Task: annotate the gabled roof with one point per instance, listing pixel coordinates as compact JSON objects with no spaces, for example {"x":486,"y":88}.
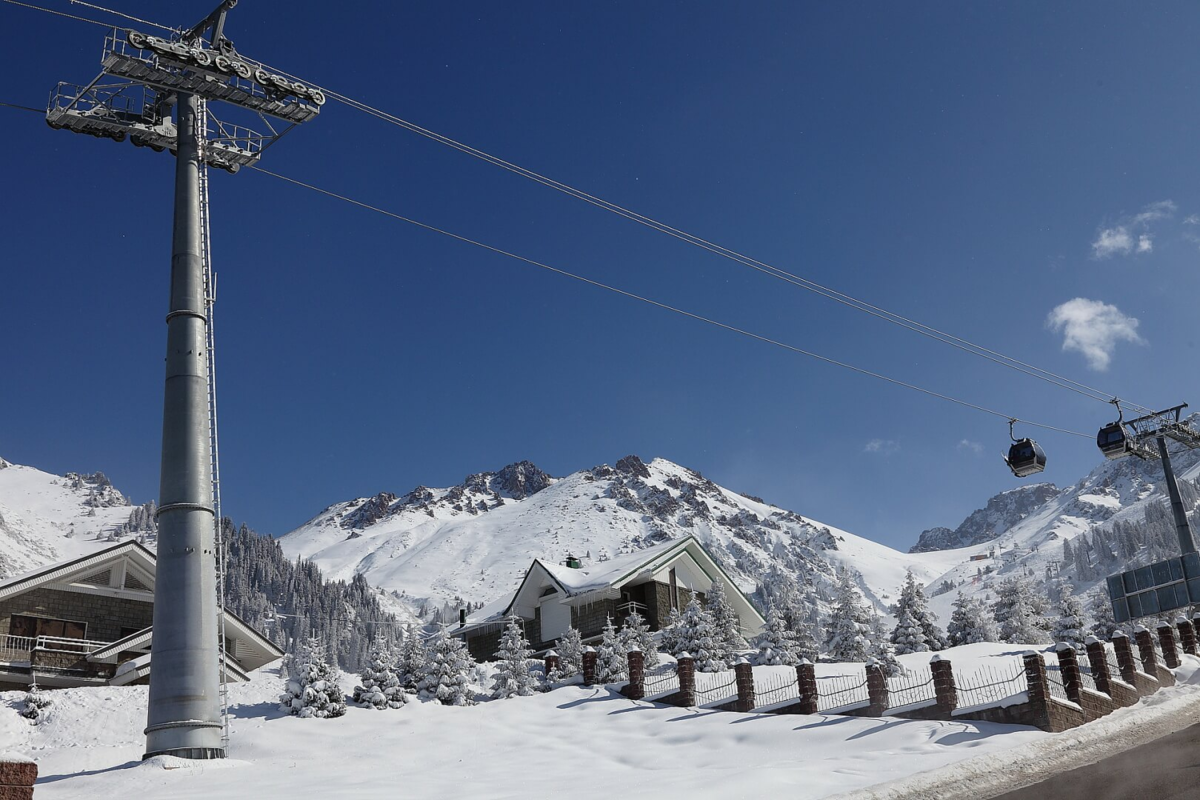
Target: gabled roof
{"x":65,"y":570}
{"x":613,"y":574}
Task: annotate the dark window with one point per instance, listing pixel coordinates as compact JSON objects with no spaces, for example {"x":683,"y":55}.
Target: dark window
{"x":44,"y":626}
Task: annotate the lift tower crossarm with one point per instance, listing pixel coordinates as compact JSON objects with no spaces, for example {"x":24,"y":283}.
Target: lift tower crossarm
{"x":215,"y":21}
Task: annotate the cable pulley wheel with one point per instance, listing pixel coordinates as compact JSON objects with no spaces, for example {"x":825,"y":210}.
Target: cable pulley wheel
{"x":262,"y":77}
{"x":223,"y":63}
{"x":317,"y":97}
{"x":202,"y":57}
{"x":136,"y":39}
{"x":242,"y":70}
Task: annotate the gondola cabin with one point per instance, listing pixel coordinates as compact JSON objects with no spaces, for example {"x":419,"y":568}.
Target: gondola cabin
{"x":1026,"y":458}
{"x":1113,"y":441}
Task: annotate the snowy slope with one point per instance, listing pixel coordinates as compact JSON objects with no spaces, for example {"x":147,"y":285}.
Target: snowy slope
{"x":46,"y":518}
{"x":474,"y":542}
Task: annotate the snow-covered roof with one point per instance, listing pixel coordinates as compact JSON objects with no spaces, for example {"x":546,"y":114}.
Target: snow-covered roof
{"x":611,"y":575}
{"x":56,"y":573}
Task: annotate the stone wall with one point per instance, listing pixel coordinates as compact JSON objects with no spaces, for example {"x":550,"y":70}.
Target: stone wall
{"x":105,"y":616}
{"x":589,"y":619}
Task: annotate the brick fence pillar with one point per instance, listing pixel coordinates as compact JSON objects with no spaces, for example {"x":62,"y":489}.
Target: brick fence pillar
{"x":1068,"y":665}
{"x":877,"y":689}
{"x":552,"y":662}
{"x":1187,"y":635}
{"x":745,"y":685}
{"x":943,"y":686}
{"x":1035,"y":676}
{"x":636,"y":689}
{"x":1145,"y":644}
{"x":1098,"y":659}
{"x":1166,"y":638}
{"x":589,"y":665}
{"x":685,"y":668}
{"x":806,"y":681}
{"x":1124,"y":651}
{"x":17,"y":779}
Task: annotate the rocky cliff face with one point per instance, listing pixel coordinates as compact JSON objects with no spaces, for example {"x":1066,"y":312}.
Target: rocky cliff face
{"x":1000,"y":514}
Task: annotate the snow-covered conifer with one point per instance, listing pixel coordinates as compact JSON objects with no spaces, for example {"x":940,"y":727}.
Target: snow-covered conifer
{"x":312,"y":689}
{"x":378,"y":685}
{"x":971,"y":622}
{"x":445,"y":673}
{"x":848,"y":627}
{"x":1104,"y":624}
{"x":1020,"y":609}
{"x":611,"y":662}
{"x":409,"y":658}
{"x":881,"y":648}
{"x":570,"y":653}
{"x":515,"y":676}
{"x":913,"y":601}
{"x":907,"y":637}
{"x":697,"y":638}
{"x":776,"y":644}
{"x":636,"y":633}
{"x":726,"y":625}
{"x":1071,"y":624}
{"x":669,"y":635}
{"x":36,"y":703}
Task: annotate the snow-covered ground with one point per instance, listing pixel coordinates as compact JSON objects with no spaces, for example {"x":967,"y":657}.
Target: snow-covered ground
{"x":575,"y":741}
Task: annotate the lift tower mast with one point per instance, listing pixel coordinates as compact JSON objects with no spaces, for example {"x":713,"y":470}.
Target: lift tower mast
{"x":152,"y":74}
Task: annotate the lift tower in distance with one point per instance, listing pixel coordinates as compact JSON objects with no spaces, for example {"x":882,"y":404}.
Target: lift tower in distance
{"x":142,"y":78}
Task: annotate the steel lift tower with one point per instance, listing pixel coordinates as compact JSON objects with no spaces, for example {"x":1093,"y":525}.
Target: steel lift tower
{"x":143,"y":77}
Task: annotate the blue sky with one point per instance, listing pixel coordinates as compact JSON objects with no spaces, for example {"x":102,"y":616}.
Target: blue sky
{"x":975,"y":167}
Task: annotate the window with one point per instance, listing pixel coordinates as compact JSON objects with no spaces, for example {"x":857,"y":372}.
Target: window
{"x":44,"y":626}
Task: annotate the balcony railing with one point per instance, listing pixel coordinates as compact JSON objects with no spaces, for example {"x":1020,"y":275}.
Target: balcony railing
{"x":20,"y":648}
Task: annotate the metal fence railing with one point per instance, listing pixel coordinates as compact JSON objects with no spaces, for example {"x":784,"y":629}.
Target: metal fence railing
{"x":1087,"y":680}
{"x":661,"y":683}
{"x":776,"y":688}
{"x":1114,"y":666}
{"x":723,"y":687}
{"x":841,"y":690}
{"x":1055,"y":684}
{"x":911,"y":686}
{"x":988,"y":685}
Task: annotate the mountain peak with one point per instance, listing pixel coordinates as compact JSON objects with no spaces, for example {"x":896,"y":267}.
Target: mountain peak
{"x":1002,"y":512}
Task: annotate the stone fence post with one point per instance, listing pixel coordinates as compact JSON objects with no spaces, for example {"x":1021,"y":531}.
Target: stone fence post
{"x":552,"y":663}
{"x":943,"y":686}
{"x":589,"y":665}
{"x":1166,"y":637}
{"x":685,"y":668}
{"x":806,"y":681}
{"x":1187,"y":635}
{"x":636,"y":689}
{"x":1124,"y":651}
{"x":17,"y":778}
{"x":877,"y":690}
{"x":1068,"y":665}
{"x":1145,"y":644}
{"x":744,"y":674}
{"x":1098,"y":659}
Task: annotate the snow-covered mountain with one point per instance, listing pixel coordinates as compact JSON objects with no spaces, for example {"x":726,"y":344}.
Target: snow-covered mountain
{"x":1001,"y":513}
{"x":46,"y":518}
{"x":473,"y":542}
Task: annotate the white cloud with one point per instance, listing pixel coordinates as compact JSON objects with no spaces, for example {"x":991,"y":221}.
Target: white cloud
{"x":1193,"y":219}
{"x":1131,"y":234}
{"x":882,"y":446}
{"x":1112,"y":241}
{"x":968,"y":445}
{"x":1093,"y":328}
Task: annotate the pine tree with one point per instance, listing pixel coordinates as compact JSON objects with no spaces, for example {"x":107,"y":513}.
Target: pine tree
{"x":515,"y":676}
{"x":409,"y":658}
{"x":444,"y":675}
{"x":636,"y":633}
{"x":848,"y":627}
{"x":378,"y":686}
{"x":971,"y":623}
{"x":1020,"y":610}
{"x":912,"y":599}
{"x":669,"y":635}
{"x":776,"y":644}
{"x":907,"y":635}
{"x":611,"y":662}
{"x":312,"y":689}
{"x":1071,"y":625}
{"x":1105,"y":624}
{"x":36,"y":703}
{"x":726,"y":625}
{"x":570,"y":653}
{"x":697,"y":638}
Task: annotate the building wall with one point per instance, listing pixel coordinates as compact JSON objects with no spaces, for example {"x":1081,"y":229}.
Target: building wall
{"x":589,"y":619}
{"x":105,"y":616}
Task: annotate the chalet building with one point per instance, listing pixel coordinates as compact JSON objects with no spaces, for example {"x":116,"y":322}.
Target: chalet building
{"x":87,"y":622}
{"x":554,"y":597}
